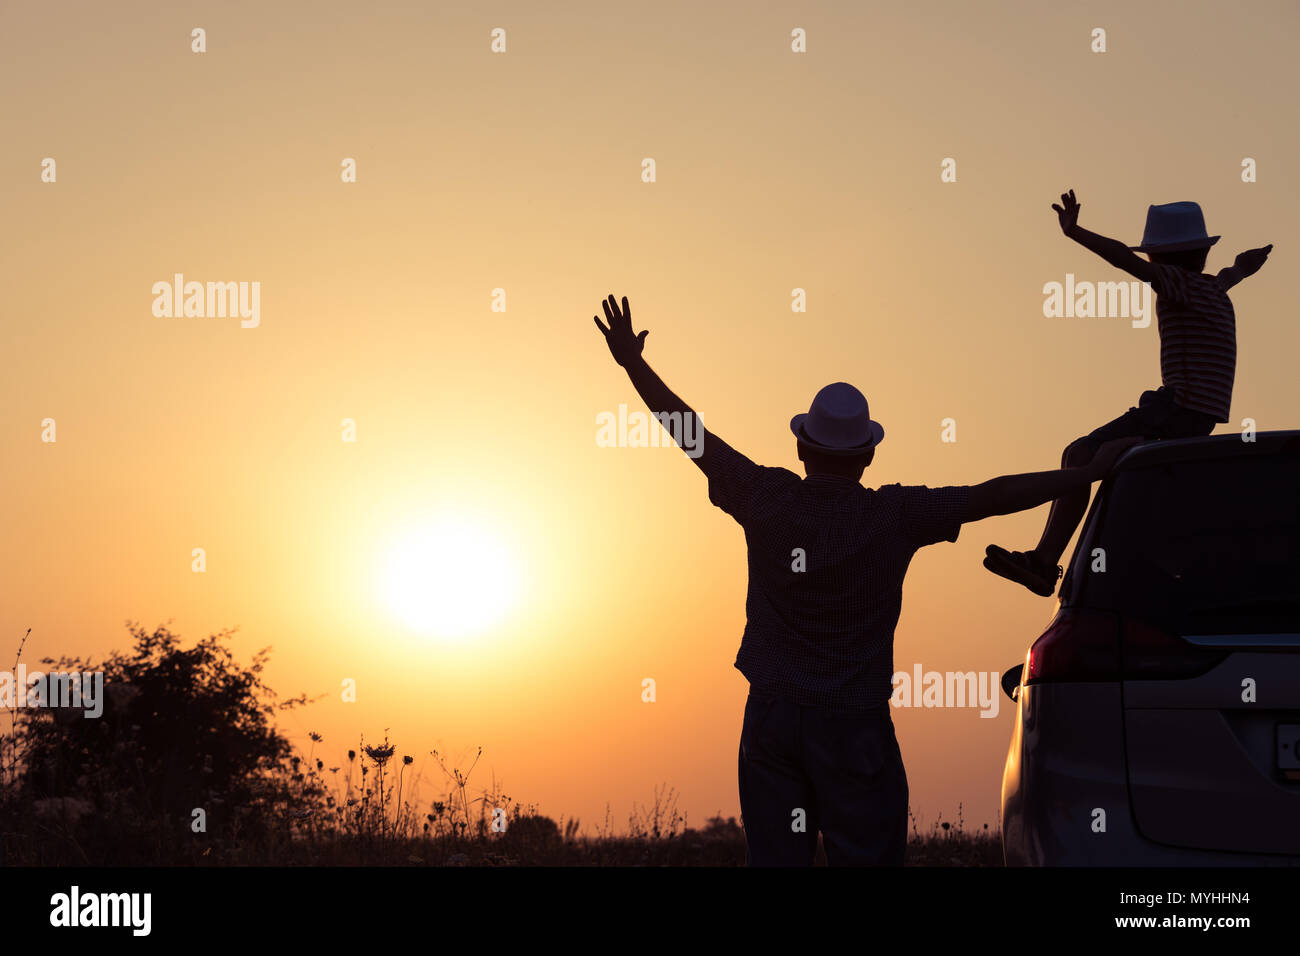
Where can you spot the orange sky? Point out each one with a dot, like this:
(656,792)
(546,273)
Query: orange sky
(522,171)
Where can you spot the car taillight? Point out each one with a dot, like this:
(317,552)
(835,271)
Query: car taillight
(1085,645)
(1078,645)
(1152,654)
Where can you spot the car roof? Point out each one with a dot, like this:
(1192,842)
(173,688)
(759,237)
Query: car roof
(1175,450)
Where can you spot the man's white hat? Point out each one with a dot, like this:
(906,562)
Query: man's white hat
(838,422)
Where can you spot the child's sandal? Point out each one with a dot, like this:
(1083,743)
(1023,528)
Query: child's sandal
(1022,568)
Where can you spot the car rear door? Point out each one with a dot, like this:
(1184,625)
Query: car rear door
(1201,562)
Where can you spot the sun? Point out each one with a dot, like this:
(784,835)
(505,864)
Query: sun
(451,577)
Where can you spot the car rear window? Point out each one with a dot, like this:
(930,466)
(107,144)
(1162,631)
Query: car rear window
(1199,547)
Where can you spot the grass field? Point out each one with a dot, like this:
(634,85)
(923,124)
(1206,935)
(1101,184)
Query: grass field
(186,767)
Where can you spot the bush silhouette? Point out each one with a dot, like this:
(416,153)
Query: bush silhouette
(183,729)
(534,830)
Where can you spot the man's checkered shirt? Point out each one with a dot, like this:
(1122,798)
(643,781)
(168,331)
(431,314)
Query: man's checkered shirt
(824,635)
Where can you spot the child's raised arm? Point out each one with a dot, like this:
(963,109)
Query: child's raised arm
(1113,251)
(1245,266)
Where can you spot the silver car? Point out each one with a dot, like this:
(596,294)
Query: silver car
(1158,715)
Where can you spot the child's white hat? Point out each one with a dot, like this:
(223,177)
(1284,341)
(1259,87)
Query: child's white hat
(1175,227)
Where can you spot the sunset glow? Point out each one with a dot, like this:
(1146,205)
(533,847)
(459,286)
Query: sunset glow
(378,408)
(449,578)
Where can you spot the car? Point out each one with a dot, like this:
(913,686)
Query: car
(1158,715)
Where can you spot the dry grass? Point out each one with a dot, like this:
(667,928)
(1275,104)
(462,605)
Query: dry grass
(362,814)
(190,732)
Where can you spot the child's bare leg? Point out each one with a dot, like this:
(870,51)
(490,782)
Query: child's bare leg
(1066,511)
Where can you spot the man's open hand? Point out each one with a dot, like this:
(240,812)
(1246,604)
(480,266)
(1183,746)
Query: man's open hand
(1252,260)
(624,344)
(1068,211)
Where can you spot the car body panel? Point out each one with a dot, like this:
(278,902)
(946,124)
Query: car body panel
(1185,769)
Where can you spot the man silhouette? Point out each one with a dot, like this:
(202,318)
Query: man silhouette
(826,560)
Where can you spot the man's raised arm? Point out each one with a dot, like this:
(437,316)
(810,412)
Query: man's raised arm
(626,347)
(678,418)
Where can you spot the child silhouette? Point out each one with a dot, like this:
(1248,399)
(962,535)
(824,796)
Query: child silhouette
(1198,358)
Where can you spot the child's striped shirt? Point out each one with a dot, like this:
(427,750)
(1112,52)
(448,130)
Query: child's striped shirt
(1198,337)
